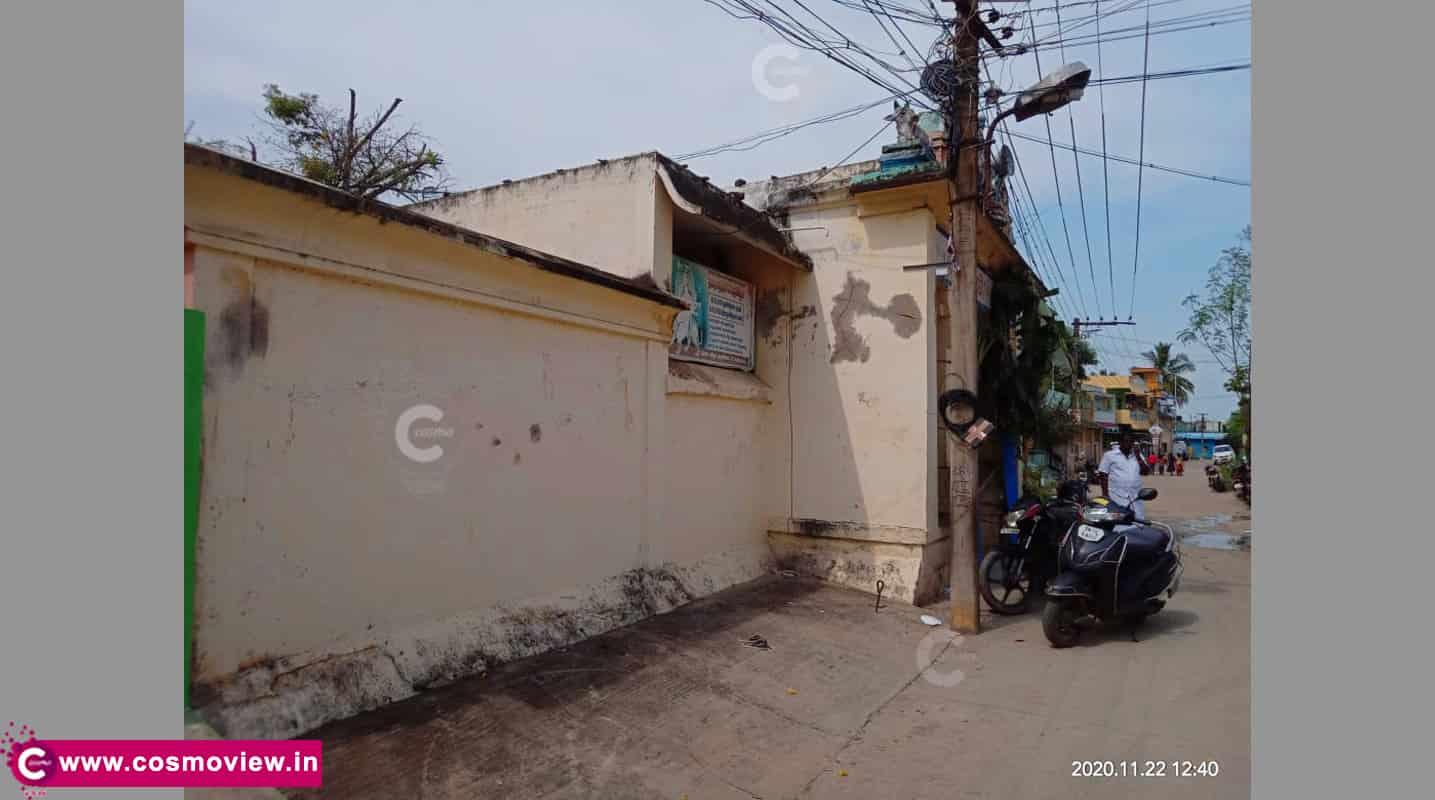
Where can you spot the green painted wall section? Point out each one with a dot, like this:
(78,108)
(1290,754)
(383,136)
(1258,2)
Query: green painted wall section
(193,426)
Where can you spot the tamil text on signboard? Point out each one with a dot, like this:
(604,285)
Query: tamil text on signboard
(717,328)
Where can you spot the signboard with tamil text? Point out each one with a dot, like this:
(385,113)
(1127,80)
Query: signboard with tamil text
(718,326)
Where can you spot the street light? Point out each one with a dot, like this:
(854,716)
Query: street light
(1065,85)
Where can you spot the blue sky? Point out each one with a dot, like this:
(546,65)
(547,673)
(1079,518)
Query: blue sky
(514,89)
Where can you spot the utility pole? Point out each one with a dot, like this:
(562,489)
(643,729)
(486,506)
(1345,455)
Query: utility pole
(1076,325)
(1202,440)
(962,367)
(968,143)
(1075,364)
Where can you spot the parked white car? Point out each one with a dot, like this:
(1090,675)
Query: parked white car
(1223,454)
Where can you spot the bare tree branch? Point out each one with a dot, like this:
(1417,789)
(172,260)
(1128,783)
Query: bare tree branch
(347,164)
(356,153)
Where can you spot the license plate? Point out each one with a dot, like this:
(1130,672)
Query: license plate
(1011,532)
(1089,533)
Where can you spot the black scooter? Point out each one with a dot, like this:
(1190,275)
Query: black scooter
(1024,560)
(1113,567)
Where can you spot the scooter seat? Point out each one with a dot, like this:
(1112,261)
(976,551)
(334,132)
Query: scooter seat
(1146,542)
(1064,514)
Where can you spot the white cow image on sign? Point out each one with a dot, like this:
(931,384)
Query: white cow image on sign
(687,326)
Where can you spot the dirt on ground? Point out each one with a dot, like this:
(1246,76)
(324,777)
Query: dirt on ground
(846,700)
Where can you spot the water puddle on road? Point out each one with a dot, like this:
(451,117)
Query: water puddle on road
(1212,532)
(1218,541)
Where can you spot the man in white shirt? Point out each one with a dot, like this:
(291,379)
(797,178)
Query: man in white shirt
(1120,472)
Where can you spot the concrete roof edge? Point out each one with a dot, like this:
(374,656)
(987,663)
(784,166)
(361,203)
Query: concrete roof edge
(723,206)
(209,158)
(552,173)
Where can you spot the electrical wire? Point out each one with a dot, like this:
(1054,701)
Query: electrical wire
(1027,234)
(1016,206)
(1089,20)
(849,156)
(1081,195)
(755,140)
(1179,73)
(1134,161)
(900,51)
(800,35)
(1096,17)
(1087,40)
(1056,175)
(893,10)
(850,43)
(1036,212)
(1105,167)
(1035,256)
(1140,172)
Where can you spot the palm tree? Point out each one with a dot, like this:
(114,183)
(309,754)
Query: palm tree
(1173,368)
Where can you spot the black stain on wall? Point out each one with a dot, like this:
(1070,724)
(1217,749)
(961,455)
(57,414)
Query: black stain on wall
(855,301)
(243,331)
(768,311)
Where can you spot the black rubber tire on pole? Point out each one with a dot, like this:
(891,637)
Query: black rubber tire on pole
(953,397)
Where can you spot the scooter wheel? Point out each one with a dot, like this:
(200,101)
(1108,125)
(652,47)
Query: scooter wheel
(1058,622)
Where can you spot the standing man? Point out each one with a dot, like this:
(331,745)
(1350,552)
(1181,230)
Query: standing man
(1120,472)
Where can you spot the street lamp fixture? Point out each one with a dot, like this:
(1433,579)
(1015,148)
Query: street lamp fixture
(1065,85)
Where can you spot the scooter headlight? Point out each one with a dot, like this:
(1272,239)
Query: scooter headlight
(1096,514)
(1013,518)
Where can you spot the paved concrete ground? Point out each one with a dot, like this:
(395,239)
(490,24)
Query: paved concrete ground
(841,705)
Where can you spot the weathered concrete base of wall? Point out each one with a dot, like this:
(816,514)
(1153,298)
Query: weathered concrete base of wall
(909,571)
(289,696)
(195,728)
(934,576)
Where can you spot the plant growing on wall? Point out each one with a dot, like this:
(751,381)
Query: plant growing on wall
(1016,349)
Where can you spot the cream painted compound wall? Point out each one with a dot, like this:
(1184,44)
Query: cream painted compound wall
(573,494)
(604,215)
(718,477)
(867,367)
(865,503)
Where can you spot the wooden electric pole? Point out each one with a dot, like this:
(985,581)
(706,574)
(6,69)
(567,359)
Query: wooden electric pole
(962,367)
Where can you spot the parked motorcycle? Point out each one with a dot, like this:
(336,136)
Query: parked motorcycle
(1242,482)
(1112,567)
(1025,559)
(1214,479)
